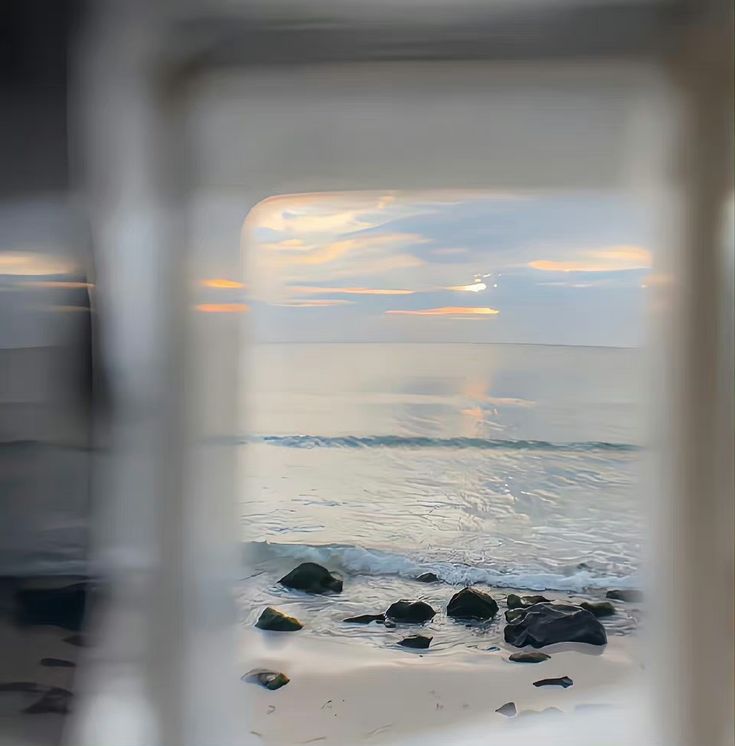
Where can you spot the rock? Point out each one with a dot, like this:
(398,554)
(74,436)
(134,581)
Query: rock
(493,649)
(416,641)
(57,663)
(599,608)
(428,577)
(269,679)
(365,619)
(470,603)
(55,699)
(276,621)
(23,686)
(415,612)
(513,614)
(625,595)
(61,607)
(389,624)
(508,709)
(563,681)
(517,602)
(78,641)
(534,657)
(312,578)
(545,624)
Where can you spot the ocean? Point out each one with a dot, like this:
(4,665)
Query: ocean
(509,467)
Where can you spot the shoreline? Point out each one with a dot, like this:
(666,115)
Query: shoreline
(340,693)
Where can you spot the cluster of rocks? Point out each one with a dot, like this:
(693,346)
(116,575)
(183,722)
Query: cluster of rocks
(532,620)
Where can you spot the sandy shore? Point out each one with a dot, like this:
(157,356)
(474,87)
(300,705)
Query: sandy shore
(341,694)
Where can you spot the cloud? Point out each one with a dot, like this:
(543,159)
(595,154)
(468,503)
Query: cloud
(315,303)
(221,283)
(222,308)
(612,259)
(307,290)
(454,311)
(31,263)
(450,251)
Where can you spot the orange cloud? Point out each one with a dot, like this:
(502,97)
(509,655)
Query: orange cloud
(222,308)
(612,259)
(70,285)
(221,283)
(448,311)
(475,287)
(307,290)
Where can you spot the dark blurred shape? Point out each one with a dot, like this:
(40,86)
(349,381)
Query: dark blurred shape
(61,607)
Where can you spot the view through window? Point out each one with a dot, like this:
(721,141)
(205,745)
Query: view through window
(443,392)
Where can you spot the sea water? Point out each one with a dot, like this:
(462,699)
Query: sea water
(508,467)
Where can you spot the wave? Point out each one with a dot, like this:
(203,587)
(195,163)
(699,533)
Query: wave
(355,560)
(401,441)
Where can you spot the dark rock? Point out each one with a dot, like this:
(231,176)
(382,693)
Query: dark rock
(276,621)
(534,657)
(54,700)
(508,709)
(415,612)
(493,649)
(428,577)
(625,595)
(470,603)
(365,619)
(517,602)
(312,578)
(545,624)
(564,681)
(389,624)
(78,641)
(57,663)
(61,607)
(511,615)
(269,679)
(599,608)
(416,641)
(23,686)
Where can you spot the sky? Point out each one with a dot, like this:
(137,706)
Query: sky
(447,267)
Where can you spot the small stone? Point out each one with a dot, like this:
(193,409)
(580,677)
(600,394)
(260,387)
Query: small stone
(271,680)
(57,663)
(563,681)
(312,578)
(514,601)
(274,620)
(365,619)
(599,608)
(493,649)
(470,603)
(413,612)
(625,595)
(428,577)
(420,642)
(531,657)
(508,709)
(511,615)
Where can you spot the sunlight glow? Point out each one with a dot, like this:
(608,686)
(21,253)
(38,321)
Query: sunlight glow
(475,287)
(222,307)
(307,290)
(221,283)
(611,259)
(447,311)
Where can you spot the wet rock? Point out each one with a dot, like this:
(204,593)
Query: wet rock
(563,681)
(545,624)
(508,709)
(413,612)
(599,608)
(274,620)
(312,578)
(493,649)
(54,700)
(625,595)
(389,624)
(428,577)
(57,663)
(523,602)
(514,614)
(61,607)
(365,619)
(534,657)
(268,679)
(470,603)
(23,686)
(421,642)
